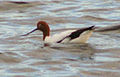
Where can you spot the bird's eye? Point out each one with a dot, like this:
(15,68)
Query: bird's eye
(39,26)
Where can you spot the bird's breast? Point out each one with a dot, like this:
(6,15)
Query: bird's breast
(58,36)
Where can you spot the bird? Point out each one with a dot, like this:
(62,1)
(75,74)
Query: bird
(80,35)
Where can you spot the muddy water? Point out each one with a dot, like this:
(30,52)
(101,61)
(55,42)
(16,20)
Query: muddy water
(26,57)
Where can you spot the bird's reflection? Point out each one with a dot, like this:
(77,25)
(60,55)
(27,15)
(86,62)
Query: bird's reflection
(85,51)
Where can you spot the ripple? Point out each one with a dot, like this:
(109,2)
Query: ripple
(26,56)
(98,9)
(92,18)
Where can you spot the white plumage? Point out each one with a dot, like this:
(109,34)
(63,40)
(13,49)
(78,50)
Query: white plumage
(56,37)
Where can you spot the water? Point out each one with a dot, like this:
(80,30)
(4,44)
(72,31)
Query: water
(26,57)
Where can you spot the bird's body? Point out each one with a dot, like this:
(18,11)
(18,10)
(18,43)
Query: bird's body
(63,37)
(58,36)
(70,36)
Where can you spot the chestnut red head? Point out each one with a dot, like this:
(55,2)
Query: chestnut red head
(43,26)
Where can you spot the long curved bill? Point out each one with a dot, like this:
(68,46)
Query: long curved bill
(30,32)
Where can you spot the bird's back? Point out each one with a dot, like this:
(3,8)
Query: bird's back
(71,36)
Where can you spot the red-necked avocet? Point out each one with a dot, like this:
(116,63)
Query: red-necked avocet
(80,35)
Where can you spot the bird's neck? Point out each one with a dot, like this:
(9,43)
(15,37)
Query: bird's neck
(45,34)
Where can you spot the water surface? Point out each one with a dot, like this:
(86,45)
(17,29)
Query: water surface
(25,56)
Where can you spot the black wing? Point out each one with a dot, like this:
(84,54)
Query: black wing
(77,33)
